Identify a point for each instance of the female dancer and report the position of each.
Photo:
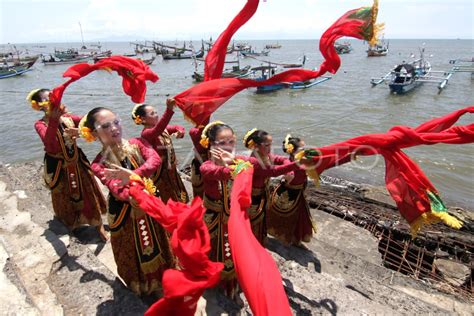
(76, 196)
(140, 244)
(158, 133)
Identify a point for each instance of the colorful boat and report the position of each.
(7, 71)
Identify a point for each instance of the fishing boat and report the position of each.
(235, 72)
(407, 76)
(7, 71)
(183, 55)
(306, 84)
(53, 60)
(266, 73)
(273, 46)
(148, 61)
(463, 65)
(344, 48)
(378, 50)
(250, 52)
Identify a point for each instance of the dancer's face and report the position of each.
(108, 128)
(265, 148)
(225, 139)
(151, 117)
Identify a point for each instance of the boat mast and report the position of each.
(82, 37)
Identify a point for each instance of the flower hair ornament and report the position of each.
(204, 142)
(250, 144)
(37, 106)
(290, 148)
(137, 118)
(84, 131)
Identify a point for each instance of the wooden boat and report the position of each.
(344, 48)
(235, 72)
(306, 84)
(463, 65)
(407, 76)
(273, 46)
(57, 61)
(148, 61)
(7, 71)
(378, 50)
(183, 55)
(266, 73)
(250, 52)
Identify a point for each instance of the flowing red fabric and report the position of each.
(190, 242)
(256, 270)
(215, 59)
(405, 181)
(134, 75)
(203, 99)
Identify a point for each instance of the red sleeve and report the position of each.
(120, 192)
(195, 134)
(280, 160)
(211, 171)
(76, 119)
(151, 157)
(175, 128)
(272, 171)
(151, 134)
(47, 133)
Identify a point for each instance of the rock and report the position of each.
(453, 272)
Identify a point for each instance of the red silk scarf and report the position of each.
(134, 75)
(416, 197)
(256, 270)
(190, 242)
(201, 100)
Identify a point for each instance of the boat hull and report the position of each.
(399, 88)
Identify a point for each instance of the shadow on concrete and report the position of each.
(297, 302)
(302, 256)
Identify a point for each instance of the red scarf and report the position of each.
(201, 100)
(134, 73)
(190, 242)
(256, 270)
(416, 197)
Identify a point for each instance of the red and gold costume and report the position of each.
(167, 178)
(217, 182)
(75, 194)
(200, 155)
(140, 244)
(288, 217)
(274, 166)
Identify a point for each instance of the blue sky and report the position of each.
(57, 21)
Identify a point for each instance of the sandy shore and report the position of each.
(46, 271)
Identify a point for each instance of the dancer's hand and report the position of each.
(119, 173)
(170, 104)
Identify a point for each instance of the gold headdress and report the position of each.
(289, 148)
(137, 118)
(34, 104)
(84, 131)
(250, 144)
(204, 138)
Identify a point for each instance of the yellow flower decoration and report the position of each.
(290, 148)
(249, 144)
(146, 182)
(204, 139)
(85, 132)
(239, 166)
(204, 142)
(138, 120)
